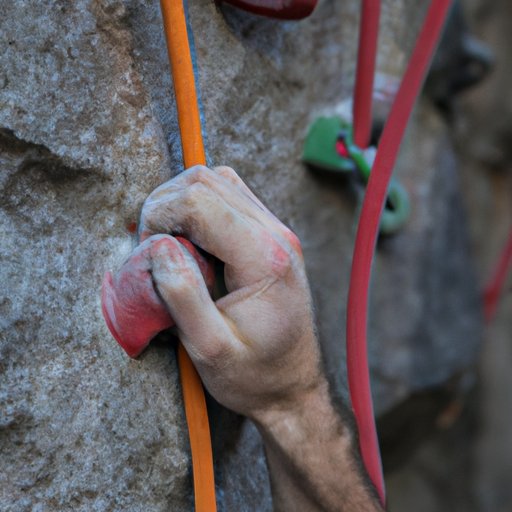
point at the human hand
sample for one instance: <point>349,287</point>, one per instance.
<point>255,348</point>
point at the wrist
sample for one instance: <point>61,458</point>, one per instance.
<point>309,416</point>
<point>312,457</point>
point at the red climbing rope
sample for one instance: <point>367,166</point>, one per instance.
<point>365,72</point>
<point>494,287</point>
<point>376,190</point>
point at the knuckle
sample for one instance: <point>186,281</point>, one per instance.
<point>213,353</point>
<point>180,273</point>
<point>196,170</point>
<point>227,172</point>
<point>199,174</point>
<point>280,258</point>
<point>181,282</point>
<point>293,240</point>
<point>177,284</point>
<point>187,275</point>
<point>194,194</point>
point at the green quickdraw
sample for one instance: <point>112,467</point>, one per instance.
<point>330,146</point>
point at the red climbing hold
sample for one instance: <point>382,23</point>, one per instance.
<point>281,9</point>
<point>132,308</point>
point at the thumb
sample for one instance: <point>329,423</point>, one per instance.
<point>179,282</point>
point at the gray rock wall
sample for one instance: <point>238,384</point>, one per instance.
<point>88,129</point>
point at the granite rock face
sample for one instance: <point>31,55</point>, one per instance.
<point>88,129</point>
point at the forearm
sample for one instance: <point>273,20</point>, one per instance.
<point>312,458</point>
<point>255,348</point>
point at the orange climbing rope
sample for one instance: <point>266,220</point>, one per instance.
<point>178,47</point>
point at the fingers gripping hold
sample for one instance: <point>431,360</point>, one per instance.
<point>179,282</point>
<point>131,305</point>
<point>259,327</point>
<point>217,211</point>
<point>222,182</point>
<point>161,281</point>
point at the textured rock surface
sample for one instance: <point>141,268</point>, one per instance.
<point>88,130</point>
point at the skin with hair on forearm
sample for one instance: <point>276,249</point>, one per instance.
<point>312,458</point>
<point>255,348</point>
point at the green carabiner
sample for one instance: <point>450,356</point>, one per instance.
<point>397,210</point>
<point>329,146</point>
